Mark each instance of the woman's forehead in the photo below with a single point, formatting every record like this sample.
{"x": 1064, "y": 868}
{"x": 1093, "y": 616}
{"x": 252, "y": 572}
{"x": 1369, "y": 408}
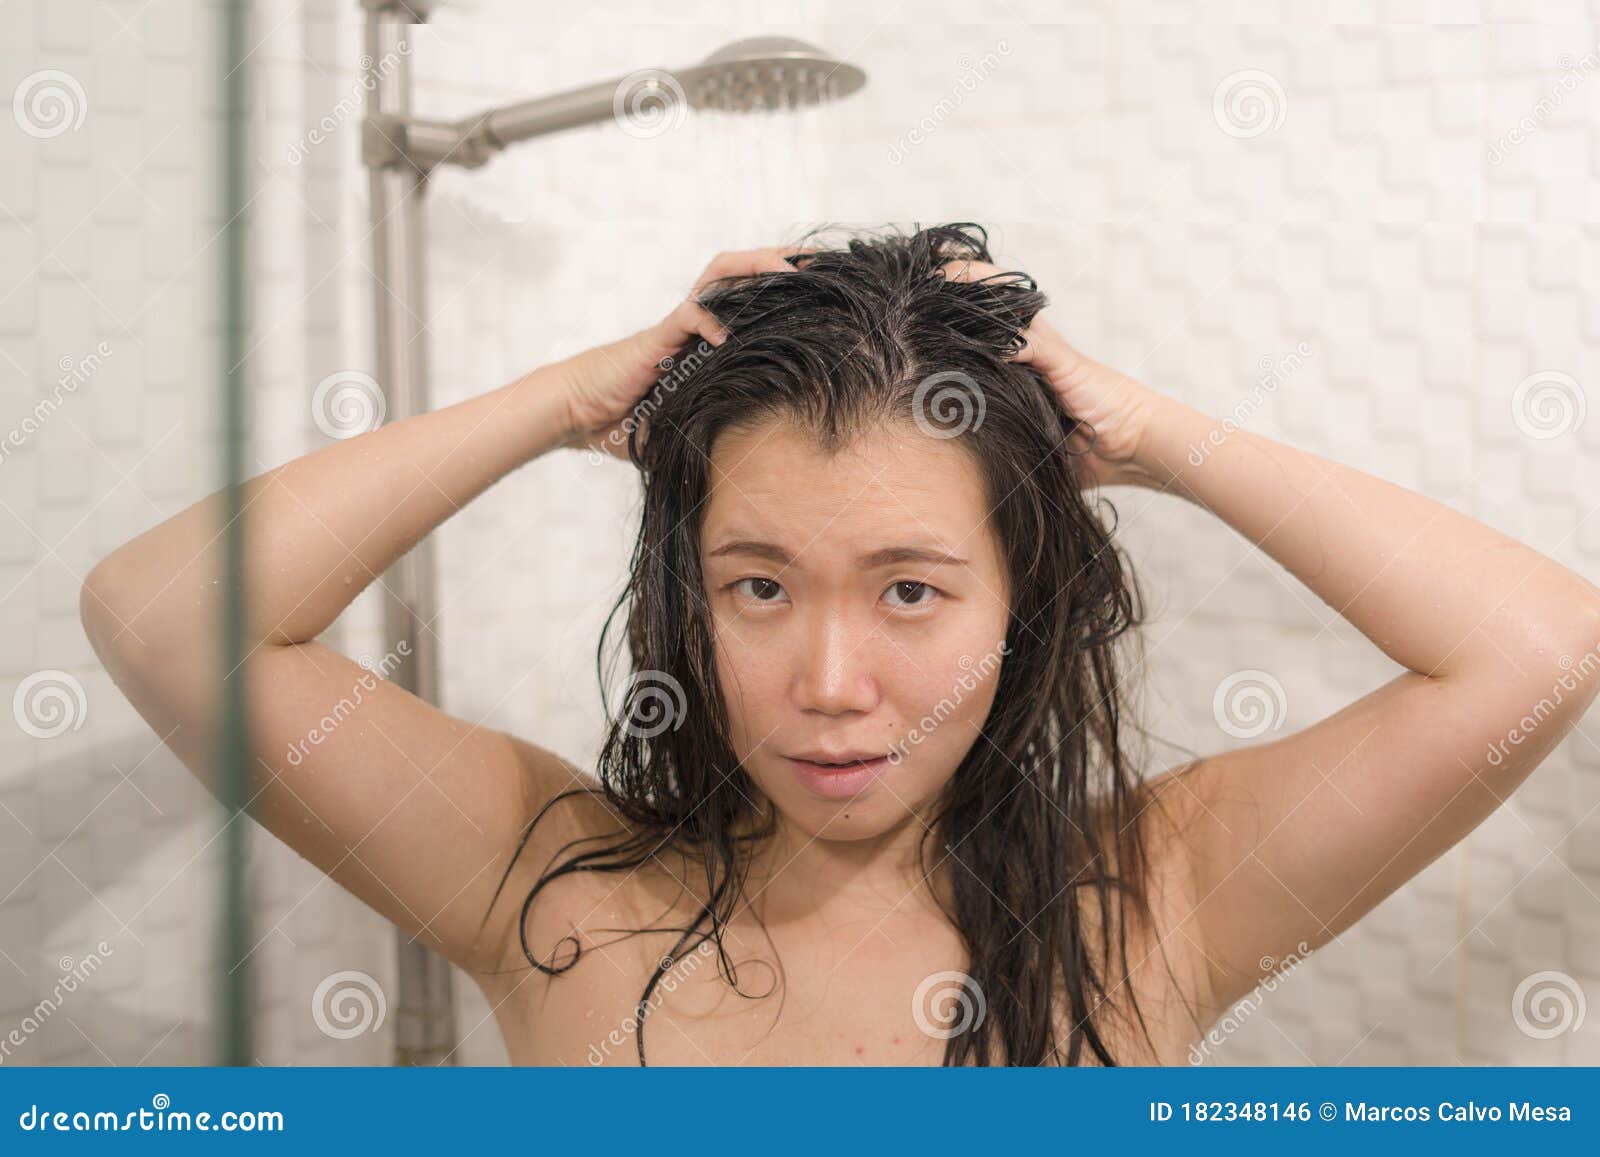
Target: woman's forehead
{"x": 775, "y": 483}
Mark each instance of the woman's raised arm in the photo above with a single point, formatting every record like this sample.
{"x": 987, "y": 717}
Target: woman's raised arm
{"x": 408, "y": 808}
{"x": 1292, "y": 841}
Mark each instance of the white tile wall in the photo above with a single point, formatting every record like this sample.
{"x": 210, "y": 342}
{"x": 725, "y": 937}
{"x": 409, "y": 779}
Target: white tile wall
{"x": 1371, "y": 224}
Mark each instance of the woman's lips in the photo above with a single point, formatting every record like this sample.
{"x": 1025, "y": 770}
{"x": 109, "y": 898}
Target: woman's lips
{"x": 837, "y": 782}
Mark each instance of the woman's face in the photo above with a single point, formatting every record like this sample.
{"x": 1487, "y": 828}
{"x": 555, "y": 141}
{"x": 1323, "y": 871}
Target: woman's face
{"x": 859, "y": 606}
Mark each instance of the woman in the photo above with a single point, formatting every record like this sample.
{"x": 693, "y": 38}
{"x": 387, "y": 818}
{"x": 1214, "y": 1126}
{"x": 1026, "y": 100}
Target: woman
{"x": 867, "y": 799}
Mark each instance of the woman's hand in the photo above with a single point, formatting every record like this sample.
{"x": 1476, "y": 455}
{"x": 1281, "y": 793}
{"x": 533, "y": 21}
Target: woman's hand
{"x": 606, "y": 383}
{"x": 1115, "y": 406}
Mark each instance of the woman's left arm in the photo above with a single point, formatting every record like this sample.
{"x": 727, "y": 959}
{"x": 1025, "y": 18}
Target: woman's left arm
{"x": 1294, "y": 840}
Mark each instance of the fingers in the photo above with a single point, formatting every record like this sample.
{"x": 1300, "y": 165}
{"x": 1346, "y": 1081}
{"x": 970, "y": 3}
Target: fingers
{"x": 690, "y": 319}
{"x": 1048, "y": 351}
{"x": 1038, "y": 342}
{"x": 748, "y": 262}
{"x": 695, "y": 318}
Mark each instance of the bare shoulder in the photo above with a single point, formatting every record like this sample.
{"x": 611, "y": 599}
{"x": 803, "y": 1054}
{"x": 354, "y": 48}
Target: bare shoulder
{"x": 1165, "y": 980}
{"x": 561, "y": 811}
{"x": 568, "y": 828}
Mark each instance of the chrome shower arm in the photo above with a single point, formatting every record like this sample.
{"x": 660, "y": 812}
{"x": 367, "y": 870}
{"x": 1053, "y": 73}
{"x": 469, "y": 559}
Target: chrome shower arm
{"x": 392, "y": 139}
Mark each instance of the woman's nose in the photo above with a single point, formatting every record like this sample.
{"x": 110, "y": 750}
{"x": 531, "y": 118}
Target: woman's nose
{"x": 835, "y": 672}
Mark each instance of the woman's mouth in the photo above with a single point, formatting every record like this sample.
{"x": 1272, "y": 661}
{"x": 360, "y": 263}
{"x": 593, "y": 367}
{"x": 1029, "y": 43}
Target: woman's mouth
{"x": 837, "y": 780}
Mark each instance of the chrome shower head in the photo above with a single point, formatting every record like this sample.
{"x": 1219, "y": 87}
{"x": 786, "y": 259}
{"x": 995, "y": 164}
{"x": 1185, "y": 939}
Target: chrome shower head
{"x": 774, "y": 73}
{"x": 768, "y": 72}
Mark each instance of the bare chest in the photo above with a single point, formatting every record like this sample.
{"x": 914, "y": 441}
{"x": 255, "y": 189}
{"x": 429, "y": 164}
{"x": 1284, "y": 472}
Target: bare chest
{"x": 853, "y": 997}
{"x": 854, "y": 993}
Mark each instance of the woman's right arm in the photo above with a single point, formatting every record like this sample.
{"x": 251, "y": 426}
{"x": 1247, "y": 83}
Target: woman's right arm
{"x": 413, "y": 811}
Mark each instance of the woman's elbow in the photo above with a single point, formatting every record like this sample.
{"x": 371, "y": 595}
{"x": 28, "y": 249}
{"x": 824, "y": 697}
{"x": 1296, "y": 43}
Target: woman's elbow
{"x": 108, "y": 608}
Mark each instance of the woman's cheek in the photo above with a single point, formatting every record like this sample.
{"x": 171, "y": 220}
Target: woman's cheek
{"x": 740, "y": 675}
{"x": 948, "y": 710}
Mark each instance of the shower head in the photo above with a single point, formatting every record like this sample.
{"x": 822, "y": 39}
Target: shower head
{"x": 774, "y": 73}
{"x": 768, "y": 72}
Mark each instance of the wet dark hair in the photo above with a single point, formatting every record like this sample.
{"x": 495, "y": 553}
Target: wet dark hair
{"x": 1045, "y": 803}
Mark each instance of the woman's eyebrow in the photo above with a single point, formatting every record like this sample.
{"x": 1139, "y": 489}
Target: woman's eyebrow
{"x": 885, "y": 556}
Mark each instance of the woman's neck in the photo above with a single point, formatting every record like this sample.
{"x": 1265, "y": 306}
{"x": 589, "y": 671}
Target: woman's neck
{"x": 796, "y": 875}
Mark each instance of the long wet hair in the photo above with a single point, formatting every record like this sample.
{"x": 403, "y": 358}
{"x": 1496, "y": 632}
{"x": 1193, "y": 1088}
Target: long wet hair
{"x": 1043, "y": 806}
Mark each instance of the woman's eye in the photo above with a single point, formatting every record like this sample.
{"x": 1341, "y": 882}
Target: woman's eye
{"x": 760, "y": 590}
{"x": 911, "y": 594}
